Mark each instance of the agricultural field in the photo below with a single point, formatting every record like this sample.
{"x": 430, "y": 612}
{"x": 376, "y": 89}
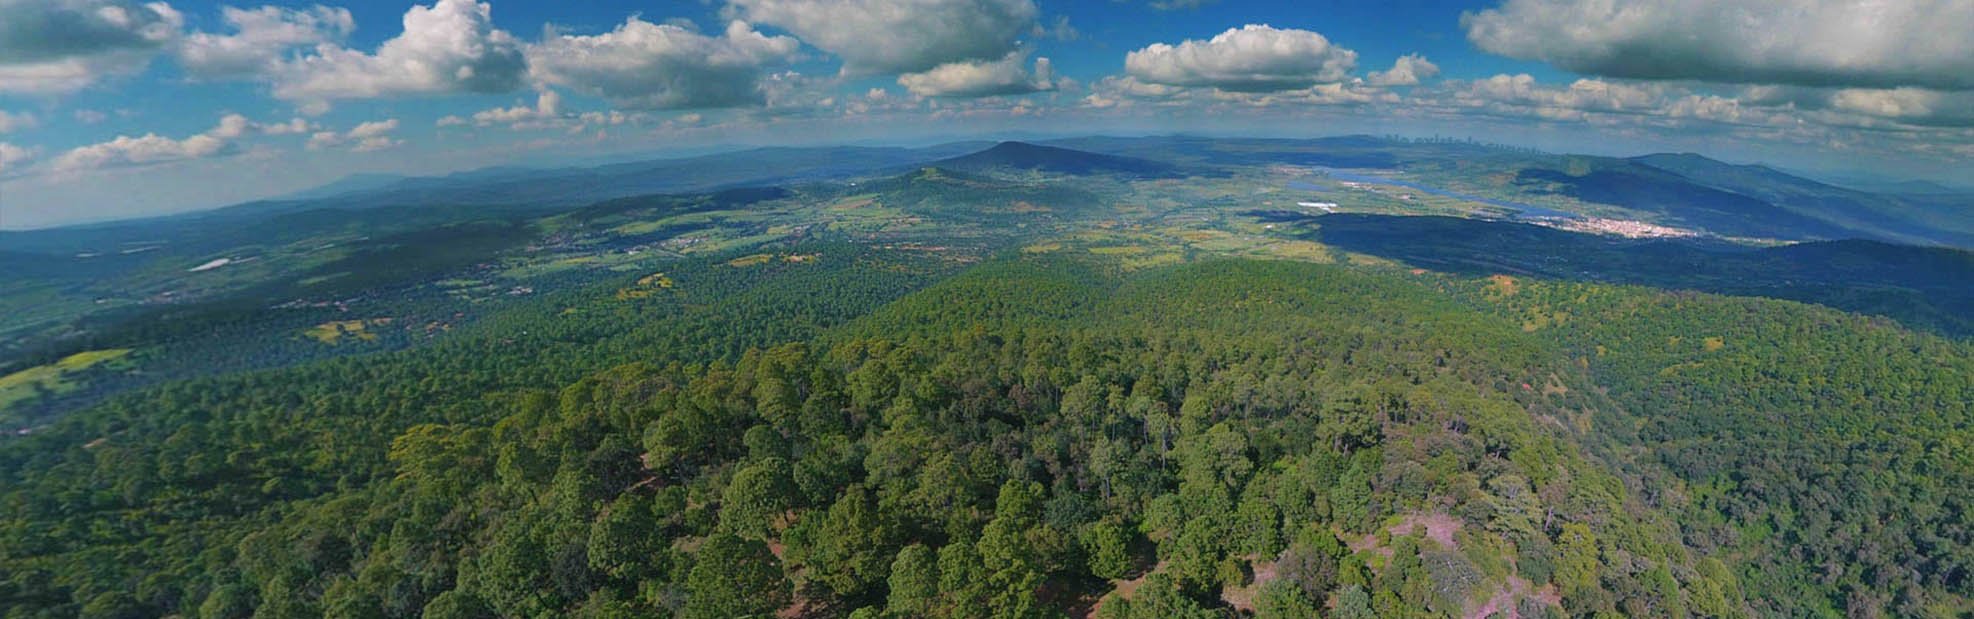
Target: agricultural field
{"x": 56, "y": 378}
{"x": 335, "y": 331}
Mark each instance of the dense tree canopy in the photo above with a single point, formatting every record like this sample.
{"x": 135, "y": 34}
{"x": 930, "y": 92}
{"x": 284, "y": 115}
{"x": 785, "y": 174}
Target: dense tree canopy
{"x": 1035, "y": 436}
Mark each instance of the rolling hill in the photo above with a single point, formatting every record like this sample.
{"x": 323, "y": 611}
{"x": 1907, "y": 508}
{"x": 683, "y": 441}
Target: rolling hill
{"x": 1684, "y": 190}
{"x": 1025, "y": 156}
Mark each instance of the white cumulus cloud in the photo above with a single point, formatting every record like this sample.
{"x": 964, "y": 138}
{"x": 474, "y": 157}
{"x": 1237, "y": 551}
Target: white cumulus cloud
{"x": 448, "y": 47}
{"x": 1007, "y": 76}
{"x": 1522, "y": 96}
{"x": 1546, "y": 100}
{"x": 374, "y": 128}
{"x": 1409, "y": 70}
{"x": 548, "y": 104}
{"x": 149, "y": 148}
{"x": 899, "y": 36}
{"x": 614, "y": 117}
{"x": 141, "y": 150}
{"x": 662, "y": 66}
{"x": 236, "y": 125}
{"x": 260, "y": 40}
{"x": 365, "y": 137}
{"x": 1832, "y": 43}
{"x": 1915, "y": 106}
{"x": 1254, "y": 58}
{"x": 152, "y": 148}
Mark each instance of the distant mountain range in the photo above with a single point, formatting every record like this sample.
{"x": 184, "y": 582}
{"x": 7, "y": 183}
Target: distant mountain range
{"x": 552, "y": 187}
{"x": 353, "y": 183}
{"x": 1890, "y": 217}
{"x": 492, "y": 191}
{"x": 1686, "y": 190}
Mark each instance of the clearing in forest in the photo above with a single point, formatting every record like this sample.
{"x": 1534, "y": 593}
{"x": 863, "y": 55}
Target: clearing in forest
{"x": 52, "y": 378}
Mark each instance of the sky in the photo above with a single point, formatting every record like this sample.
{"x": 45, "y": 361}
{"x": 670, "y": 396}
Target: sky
{"x": 117, "y": 108}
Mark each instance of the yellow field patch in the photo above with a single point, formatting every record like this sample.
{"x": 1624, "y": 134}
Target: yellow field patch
{"x": 638, "y": 227}
{"x": 853, "y": 202}
{"x": 85, "y": 359}
{"x": 334, "y": 331}
{"x": 1368, "y": 260}
{"x": 311, "y": 281}
{"x": 1146, "y": 261}
{"x": 1119, "y": 250}
{"x": 646, "y": 286}
{"x": 749, "y": 261}
{"x": 1306, "y": 251}
{"x": 52, "y": 378}
{"x": 1202, "y": 236}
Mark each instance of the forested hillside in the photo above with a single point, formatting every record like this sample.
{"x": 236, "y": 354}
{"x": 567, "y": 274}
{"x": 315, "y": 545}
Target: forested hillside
{"x": 182, "y": 473}
{"x": 1039, "y": 435}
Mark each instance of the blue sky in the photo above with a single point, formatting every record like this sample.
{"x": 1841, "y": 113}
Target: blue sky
{"x": 117, "y": 108}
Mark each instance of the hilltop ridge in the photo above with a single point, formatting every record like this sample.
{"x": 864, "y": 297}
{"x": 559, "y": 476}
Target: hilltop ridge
{"x": 1026, "y": 156}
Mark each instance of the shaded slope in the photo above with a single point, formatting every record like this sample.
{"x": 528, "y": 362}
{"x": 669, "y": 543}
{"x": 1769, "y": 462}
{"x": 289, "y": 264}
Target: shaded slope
{"x": 1681, "y": 201}
{"x": 1884, "y": 216}
{"x": 1925, "y": 287}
